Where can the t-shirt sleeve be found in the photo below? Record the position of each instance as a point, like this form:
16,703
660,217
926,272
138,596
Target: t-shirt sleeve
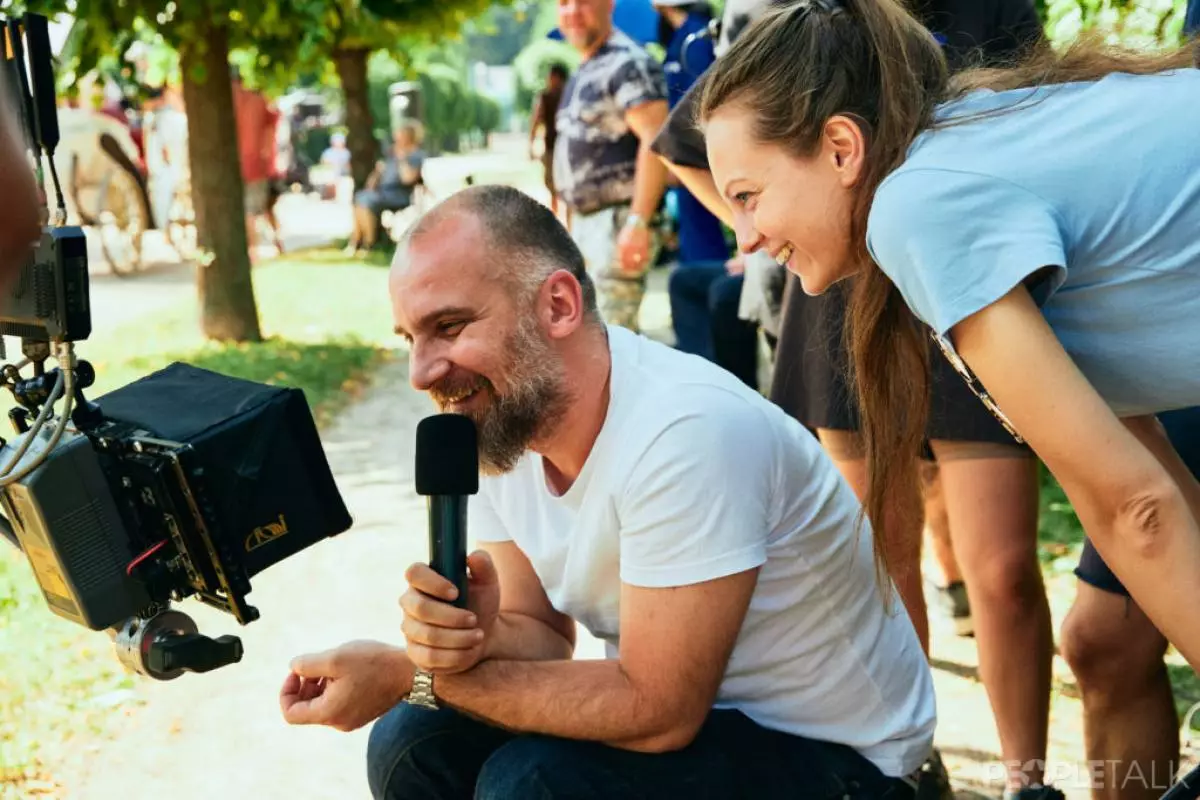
696,504
483,523
956,242
637,81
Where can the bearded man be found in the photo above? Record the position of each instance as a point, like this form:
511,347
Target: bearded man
653,498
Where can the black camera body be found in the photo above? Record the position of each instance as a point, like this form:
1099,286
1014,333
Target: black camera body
184,483
188,483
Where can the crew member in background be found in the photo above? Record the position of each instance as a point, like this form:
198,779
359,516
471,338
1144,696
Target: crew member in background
256,150
544,110
165,129
604,169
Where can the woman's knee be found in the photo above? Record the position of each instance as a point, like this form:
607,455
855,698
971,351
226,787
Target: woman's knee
1110,645
991,499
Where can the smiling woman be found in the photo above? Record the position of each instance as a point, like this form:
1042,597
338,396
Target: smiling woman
977,214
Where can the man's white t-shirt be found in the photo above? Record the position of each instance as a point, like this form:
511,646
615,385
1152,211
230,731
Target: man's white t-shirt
694,476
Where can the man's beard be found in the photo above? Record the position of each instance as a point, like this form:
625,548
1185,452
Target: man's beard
527,412
585,39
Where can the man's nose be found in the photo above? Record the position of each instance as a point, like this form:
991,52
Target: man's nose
748,239
425,367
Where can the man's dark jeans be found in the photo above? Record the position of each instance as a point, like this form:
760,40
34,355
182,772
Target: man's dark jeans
419,754
704,313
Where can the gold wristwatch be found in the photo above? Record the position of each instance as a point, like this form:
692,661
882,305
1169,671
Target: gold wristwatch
422,691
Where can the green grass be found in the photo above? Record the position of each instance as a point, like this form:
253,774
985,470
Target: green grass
328,325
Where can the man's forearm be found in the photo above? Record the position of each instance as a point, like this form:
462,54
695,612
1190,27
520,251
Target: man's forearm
650,180
519,637
588,700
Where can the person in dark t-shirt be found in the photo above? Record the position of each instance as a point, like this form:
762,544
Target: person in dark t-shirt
542,119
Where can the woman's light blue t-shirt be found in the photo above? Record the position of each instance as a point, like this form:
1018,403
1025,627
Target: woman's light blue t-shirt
1099,181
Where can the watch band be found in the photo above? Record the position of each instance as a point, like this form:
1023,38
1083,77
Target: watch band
422,690
635,221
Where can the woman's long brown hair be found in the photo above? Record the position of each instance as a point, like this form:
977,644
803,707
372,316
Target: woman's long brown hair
799,65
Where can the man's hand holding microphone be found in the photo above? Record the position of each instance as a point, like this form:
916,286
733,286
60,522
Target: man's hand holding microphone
440,636
448,612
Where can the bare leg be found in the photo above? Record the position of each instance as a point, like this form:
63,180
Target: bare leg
358,234
370,228
952,592
1129,720
937,523
992,504
273,222
903,547
251,231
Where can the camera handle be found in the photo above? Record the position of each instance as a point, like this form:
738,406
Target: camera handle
168,644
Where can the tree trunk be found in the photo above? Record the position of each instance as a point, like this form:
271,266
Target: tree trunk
228,311
360,138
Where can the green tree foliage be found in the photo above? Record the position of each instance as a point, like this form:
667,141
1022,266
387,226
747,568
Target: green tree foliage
273,41
202,32
1143,24
497,36
348,33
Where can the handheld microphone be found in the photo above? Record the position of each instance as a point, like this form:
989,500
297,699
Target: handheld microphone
447,472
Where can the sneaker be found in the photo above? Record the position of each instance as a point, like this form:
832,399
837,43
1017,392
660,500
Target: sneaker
953,599
934,782
1035,793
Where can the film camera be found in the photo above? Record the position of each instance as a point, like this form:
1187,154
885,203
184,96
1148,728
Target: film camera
184,483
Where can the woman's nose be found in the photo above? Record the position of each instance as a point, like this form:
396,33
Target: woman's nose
748,239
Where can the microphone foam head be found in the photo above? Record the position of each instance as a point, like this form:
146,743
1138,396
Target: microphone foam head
447,455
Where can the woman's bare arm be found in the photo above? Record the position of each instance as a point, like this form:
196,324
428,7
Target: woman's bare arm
1132,507
702,186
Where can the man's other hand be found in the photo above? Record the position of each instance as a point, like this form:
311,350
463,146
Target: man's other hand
633,247
347,687
443,638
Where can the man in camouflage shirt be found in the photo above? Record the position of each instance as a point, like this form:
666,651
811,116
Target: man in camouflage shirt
604,169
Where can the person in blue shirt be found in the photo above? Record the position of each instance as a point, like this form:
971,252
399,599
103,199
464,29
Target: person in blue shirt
1038,221
1191,24
688,55
705,288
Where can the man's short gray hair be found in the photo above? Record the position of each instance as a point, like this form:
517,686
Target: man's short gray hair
527,242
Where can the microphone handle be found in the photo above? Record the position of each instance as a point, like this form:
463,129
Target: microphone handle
448,541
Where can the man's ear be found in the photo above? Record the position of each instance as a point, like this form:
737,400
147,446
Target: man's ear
561,304
844,145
